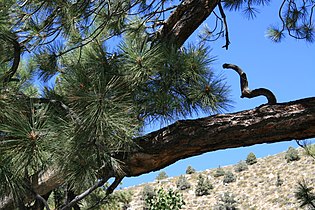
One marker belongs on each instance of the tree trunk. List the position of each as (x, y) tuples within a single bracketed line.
[(187, 138)]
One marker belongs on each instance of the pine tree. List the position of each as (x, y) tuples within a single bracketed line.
[(80, 79)]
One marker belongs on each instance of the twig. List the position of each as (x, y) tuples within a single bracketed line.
[(227, 40), (84, 194), (246, 92), (109, 191)]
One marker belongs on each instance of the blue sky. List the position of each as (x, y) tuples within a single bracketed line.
[(286, 68)]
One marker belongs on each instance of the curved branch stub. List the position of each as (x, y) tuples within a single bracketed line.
[(246, 92)]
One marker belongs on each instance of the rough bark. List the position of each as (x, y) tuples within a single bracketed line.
[(185, 19), (187, 138)]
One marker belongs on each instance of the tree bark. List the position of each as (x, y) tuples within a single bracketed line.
[(187, 138), (185, 19)]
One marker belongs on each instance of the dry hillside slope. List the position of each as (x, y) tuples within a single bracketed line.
[(254, 188)]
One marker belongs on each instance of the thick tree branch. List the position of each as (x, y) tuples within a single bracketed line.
[(185, 19), (187, 138), (246, 92)]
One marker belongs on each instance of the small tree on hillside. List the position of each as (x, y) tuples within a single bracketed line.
[(292, 155), (229, 177), (241, 166), (203, 186), (227, 202), (251, 159), (190, 170), (219, 172), (182, 183), (161, 175)]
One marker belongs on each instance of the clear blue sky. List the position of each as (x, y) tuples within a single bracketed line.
[(286, 68)]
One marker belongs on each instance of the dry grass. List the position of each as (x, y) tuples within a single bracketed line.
[(254, 188)]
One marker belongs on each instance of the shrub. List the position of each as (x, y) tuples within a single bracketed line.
[(310, 150), (279, 181), (305, 195), (166, 200), (182, 183), (147, 192), (241, 166), (190, 170), (292, 155), (161, 175), (227, 202), (116, 200), (203, 186), (229, 177), (219, 172), (251, 159)]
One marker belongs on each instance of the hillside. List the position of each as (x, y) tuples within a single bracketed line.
[(258, 187)]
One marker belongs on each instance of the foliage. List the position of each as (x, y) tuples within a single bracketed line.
[(112, 76), (305, 195), (182, 183), (148, 192), (219, 172), (309, 148), (161, 175), (117, 200), (296, 18), (190, 170), (168, 200), (229, 177), (292, 155), (279, 181), (251, 159), (241, 166), (203, 186), (227, 202)]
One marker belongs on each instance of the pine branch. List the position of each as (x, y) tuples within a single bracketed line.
[(84, 194)]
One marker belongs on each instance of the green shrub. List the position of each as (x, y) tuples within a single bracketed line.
[(218, 172), (161, 175), (226, 202), (310, 150), (166, 200), (305, 195), (229, 177), (203, 186), (147, 192), (116, 200), (292, 155), (190, 170), (241, 166), (182, 183), (251, 159)]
